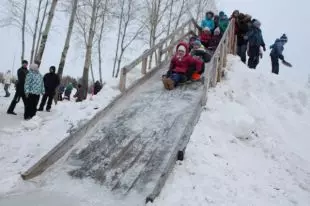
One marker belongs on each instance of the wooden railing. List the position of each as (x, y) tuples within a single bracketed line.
[(215, 68), (161, 53)]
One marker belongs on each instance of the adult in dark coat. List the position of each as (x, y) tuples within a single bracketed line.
[(255, 41), (20, 93), (51, 82), (243, 29), (97, 87)]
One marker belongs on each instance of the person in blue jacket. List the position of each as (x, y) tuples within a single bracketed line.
[(276, 53), (208, 21)]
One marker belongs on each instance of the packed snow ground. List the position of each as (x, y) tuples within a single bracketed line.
[(250, 147), (22, 143)]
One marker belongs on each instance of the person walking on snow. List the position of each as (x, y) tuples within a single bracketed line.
[(68, 91), (34, 87), (276, 53), (21, 75), (7, 83), (255, 41), (51, 82)]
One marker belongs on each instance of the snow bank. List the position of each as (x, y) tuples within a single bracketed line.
[(22, 143), (250, 147)]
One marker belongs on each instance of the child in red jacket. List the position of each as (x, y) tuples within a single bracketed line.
[(205, 36), (215, 40), (182, 66)]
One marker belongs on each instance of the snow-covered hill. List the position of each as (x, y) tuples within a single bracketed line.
[(250, 147)]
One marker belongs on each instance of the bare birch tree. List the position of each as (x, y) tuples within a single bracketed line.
[(34, 37), (46, 31), (89, 46), (156, 10), (68, 38), (23, 29), (102, 26), (41, 27), (129, 30)]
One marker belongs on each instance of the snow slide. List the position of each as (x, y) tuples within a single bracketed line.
[(131, 150)]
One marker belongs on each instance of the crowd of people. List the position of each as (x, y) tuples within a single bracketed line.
[(31, 85), (250, 42), (189, 60), (188, 63)]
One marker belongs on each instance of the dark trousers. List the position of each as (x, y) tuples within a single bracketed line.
[(59, 97), (275, 64), (49, 98), (15, 100), (241, 51), (253, 56), (177, 77), (31, 106), (6, 89)]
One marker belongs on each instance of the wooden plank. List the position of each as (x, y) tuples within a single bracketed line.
[(122, 80), (144, 64)]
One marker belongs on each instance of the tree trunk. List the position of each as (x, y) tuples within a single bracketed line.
[(89, 47), (170, 17), (100, 40), (35, 31), (118, 37), (23, 30), (41, 27), (68, 38), (92, 72), (123, 38), (46, 31), (119, 61)]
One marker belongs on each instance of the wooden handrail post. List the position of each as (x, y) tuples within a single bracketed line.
[(234, 45), (160, 53), (215, 67), (225, 52), (150, 61), (220, 66), (230, 41), (144, 64), (190, 26), (122, 80)]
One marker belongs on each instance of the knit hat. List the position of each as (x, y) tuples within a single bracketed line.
[(197, 42), (210, 13), (256, 24), (33, 67), (217, 31), (206, 29), (182, 48), (283, 38), (52, 69)]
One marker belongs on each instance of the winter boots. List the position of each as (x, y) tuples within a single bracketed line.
[(168, 83)]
